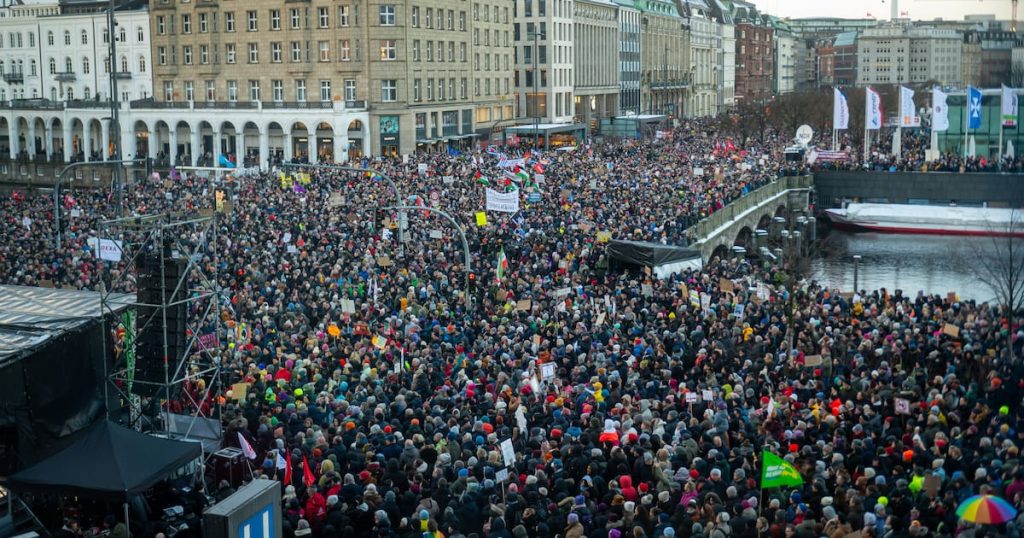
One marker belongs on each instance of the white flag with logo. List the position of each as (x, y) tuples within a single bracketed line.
[(907, 109), (840, 111), (872, 110), (1008, 107), (106, 249), (940, 110)]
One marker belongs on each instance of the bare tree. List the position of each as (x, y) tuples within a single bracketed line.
[(1000, 266)]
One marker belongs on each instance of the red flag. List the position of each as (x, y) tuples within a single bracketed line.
[(307, 474), (539, 168), (287, 469)]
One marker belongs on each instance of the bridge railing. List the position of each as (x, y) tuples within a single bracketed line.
[(716, 220)]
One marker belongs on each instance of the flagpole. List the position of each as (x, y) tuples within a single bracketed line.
[(967, 119)]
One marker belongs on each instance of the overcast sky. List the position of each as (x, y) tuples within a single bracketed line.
[(880, 9)]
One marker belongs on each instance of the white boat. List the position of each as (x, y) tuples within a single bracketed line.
[(929, 219)]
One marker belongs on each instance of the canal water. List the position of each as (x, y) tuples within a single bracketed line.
[(912, 263)]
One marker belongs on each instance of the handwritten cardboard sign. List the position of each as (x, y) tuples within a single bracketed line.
[(726, 285), (951, 330)]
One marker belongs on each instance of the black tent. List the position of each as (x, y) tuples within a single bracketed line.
[(106, 460), (662, 259)]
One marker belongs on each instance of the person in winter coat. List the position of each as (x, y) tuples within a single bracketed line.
[(574, 529)]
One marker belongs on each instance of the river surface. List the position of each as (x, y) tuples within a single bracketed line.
[(912, 263)]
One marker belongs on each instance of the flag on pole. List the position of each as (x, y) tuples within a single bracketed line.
[(521, 174), (777, 472), (840, 111), (973, 108), (1008, 107), (246, 447), (908, 112), (307, 474), (502, 264), (872, 110), (287, 469), (940, 110)]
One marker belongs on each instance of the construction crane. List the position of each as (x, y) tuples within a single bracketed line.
[(1013, 10)]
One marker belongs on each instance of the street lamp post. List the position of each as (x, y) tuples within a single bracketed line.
[(60, 178), (856, 270), (391, 182), (536, 83), (462, 237)]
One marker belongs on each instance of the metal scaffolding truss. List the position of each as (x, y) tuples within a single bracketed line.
[(173, 238)]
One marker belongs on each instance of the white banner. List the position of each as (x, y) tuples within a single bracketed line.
[(106, 249), (504, 202), (840, 111), (872, 110), (1008, 107), (907, 109), (940, 110)]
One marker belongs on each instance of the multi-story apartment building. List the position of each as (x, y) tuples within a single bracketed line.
[(629, 56), (56, 55), (883, 56), (596, 60), (726, 65), (544, 64), (825, 62), (755, 59), (711, 83), (56, 71), (902, 53), (844, 50), (997, 46), (935, 55), (970, 60), (665, 57), (347, 79), (784, 43)]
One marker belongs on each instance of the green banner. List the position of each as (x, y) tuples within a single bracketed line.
[(128, 322), (777, 472)]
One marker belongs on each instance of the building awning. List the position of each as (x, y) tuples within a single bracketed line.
[(546, 128)]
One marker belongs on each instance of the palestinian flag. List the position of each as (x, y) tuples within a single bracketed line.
[(481, 179), (502, 264), (521, 174)]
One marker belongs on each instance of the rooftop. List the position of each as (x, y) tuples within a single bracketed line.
[(30, 317)]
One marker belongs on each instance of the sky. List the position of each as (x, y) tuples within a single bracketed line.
[(880, 9)]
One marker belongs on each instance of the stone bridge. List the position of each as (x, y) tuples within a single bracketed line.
[(734, 225)]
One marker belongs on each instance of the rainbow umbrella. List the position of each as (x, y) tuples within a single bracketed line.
[(986, 510)]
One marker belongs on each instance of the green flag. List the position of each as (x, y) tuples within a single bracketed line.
[(777, 472)]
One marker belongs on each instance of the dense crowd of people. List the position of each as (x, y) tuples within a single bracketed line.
[(913, 156), (635, 406)]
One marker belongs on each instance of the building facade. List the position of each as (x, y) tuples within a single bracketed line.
[(755, 57), (665, 57), (431, 76), (544, 60), (51, 54), (844, 49), (784, 43), (935, 55), (705, 60), (883, 56), (629, 56), (596, 65)]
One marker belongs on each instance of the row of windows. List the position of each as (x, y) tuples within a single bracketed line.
[(388, 52), (14, 39), (297, 18), (18, 66), (255, 91), (388, 89)]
